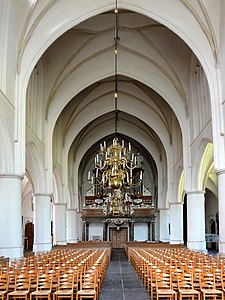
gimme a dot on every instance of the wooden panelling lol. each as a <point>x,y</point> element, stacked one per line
<point>92,212</point>
<point>143,212</point>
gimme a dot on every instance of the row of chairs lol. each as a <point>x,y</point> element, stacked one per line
<point>73,274</point>
<point>179,273</point>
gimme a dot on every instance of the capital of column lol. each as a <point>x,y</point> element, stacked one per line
<point>41,195</point>
<point>60,204</point>
<point>12,176</point>
<point>175,203</point>
<point>72,209</point>
<point>195,193</point>
<point>164,209</point>
<point>220,172</point>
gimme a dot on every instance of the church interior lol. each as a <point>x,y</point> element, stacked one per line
<point>112,130</point>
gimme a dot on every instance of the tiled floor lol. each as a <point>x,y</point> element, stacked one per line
<point>121,281</point>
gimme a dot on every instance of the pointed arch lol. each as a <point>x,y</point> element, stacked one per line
<point>35,168</point>
<point>6,150</point>
<point>198,163</point>
<point>181,192</point>
<point>207,174</point>
<point>57,186</point>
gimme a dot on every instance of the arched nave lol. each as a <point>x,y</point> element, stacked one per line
<point>57,105</point>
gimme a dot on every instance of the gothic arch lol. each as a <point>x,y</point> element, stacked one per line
<point>57,187</point>
<point>198,163</point>
<point>6,152</point>
<point>34,166</point>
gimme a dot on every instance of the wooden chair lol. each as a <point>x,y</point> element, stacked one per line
<point>88,287</point>
<point>12,279</point>
<point>4,282</point>
<point>223,281</point>
<point>164,287</point>
<point>65,288</point>
<point>44,287</point>
<point>55,276</point>
<point>208,287</point>
<point>152,281</point>
<point>197,273</point>
<point>22,287</point>
<point>186,287</point>
<point>75,272</point>
<point>33,279</point>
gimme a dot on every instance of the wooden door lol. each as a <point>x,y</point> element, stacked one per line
<point>118,237</point>
<point>29,234</point>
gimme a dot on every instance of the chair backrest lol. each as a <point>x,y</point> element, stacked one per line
<point>4,282</point>
<point>185,281</point>
<point>22,282</point>
<point>223,280</point>
<point>163,281</point>
<point>66,282</point>
<point>88,280</point>
<point>44,282</point>
<point>207,280</point>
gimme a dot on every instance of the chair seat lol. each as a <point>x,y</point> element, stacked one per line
<point>35,293</point>
<point>65,292</point>
<point>86,292</point>
<point>210,291</point>
<point>165,291</point>
<point>188,292</point>
<point>19,293</point>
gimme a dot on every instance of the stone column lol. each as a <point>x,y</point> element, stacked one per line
<point>156,226</point>
<point>11,242</point>
<point>83,230</point>
<point>149,231</point>
<point>131,231</point>
<point>164,225</point>
<point>59,223</point>
<point>153,231</point>
<point>221,204</point>
<point>42,222</point>
<point>87,232</point>
<point>176,223</point>
<point>71,218</point>
<point>105,230</point>
<point>196,220</point>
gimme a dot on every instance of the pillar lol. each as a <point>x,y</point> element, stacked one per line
<point>42,222</point>
<point>149,231</point>
<point>105,230</point>
<point>87,232</point>
<point>83,230</point>
<point>156,227</point>
<point>11,242</point>
<point>196,221</point>
<point>131,231</point>
<point>164,225</point>
<point>176,223</point>
<point>71,220</point>
<point>153,231</point>
<point>59,224</point>
<point>221,199</point>
<point>79,225</point>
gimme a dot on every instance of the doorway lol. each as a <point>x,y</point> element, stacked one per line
<point>29,236</point>
<point>118,237</point>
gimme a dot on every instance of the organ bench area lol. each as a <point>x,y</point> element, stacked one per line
<point>138,224</point>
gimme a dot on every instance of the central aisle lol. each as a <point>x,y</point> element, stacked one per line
<point>121,281</point>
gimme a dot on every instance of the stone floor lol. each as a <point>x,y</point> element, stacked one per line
<point>121,281</point>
